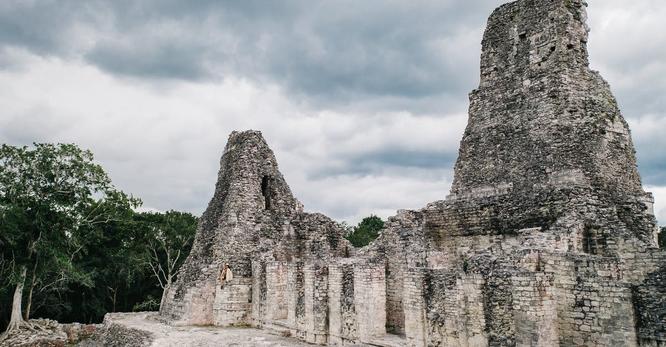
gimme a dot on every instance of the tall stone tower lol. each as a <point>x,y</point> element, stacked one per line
<point>540,115</point>
<point>546,132</point>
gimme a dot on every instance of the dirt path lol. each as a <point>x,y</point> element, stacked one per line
<point>166,335</point>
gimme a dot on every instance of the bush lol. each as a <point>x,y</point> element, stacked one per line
<point>150,304</point>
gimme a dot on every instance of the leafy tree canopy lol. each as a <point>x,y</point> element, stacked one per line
<point>72,246</point>
<point>165,240</point>
<point>366,231</point>
<point>51,196</point>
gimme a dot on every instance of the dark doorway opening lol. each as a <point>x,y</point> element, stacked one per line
<point>594,241</point>
<point>395,311</point>
<point>266,191</point>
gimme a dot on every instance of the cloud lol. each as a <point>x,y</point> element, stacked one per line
<point>150,61</point>
<point>50,27</point>
<point>163,144</point>
<point>330,53</point>
<point>648,134</point>
<point>364,103</point>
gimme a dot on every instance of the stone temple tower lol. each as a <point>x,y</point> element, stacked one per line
<point>252,215</point>
<point>540,115</point>
<point>546,132</point>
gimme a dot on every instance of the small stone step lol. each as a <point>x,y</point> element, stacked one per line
<point>389,341</point>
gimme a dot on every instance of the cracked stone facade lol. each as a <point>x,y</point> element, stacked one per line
<point>547,237</point>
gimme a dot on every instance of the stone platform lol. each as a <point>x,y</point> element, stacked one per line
<point>156,333</point>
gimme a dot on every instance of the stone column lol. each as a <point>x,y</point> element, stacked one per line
<point>316,303</point>
<point>415,322</point>
<point>370,300</point>
<point>276,291</point>
<point>296,297</point>
<point>258,292</point>
<point>335,277</point>
<point>233,302</point>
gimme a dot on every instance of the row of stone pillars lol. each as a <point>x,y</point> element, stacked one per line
<point>336,303</point>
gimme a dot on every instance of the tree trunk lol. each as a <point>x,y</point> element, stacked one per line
<point>114,300</point>
<point>33,281</point>
<point>28,304</point>
<point>17,318</point>
<point>165,290</point>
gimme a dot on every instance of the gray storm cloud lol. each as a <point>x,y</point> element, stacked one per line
<point>363,102</point>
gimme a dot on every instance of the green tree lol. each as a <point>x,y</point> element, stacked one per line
<point>366,231</point>
<point>5,270</point>
<point>167,240</point>
<point>662,238</point>
<point>107,257</point>
<point>122,281</point>
<point>50,197</point>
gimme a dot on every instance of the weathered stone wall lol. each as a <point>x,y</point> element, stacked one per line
<point>533,320</point>
<point>113,334</point>
<point>258,292</point>
<point>594,303</point>
<point>415,307</point>
<point>233,303</point>
<point>650,305</point>
<point>534,69</point>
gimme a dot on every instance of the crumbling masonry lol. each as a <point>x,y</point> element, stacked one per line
<point>547,237</point>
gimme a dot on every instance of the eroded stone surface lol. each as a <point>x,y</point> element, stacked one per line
<point>49,333</point>
<point>43,332</point>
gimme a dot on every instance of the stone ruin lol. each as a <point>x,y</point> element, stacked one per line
<point>546,239</point>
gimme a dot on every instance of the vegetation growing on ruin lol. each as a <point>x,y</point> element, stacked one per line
<point>662,238</point>
<point>366,231</point>
<point>72,246</point>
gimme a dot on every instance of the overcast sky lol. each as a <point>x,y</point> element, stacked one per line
<point>363,102</point>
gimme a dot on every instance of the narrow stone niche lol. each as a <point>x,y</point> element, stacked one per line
<point>395,313</point>
<point>266,185</point>
<point>594,241</point>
